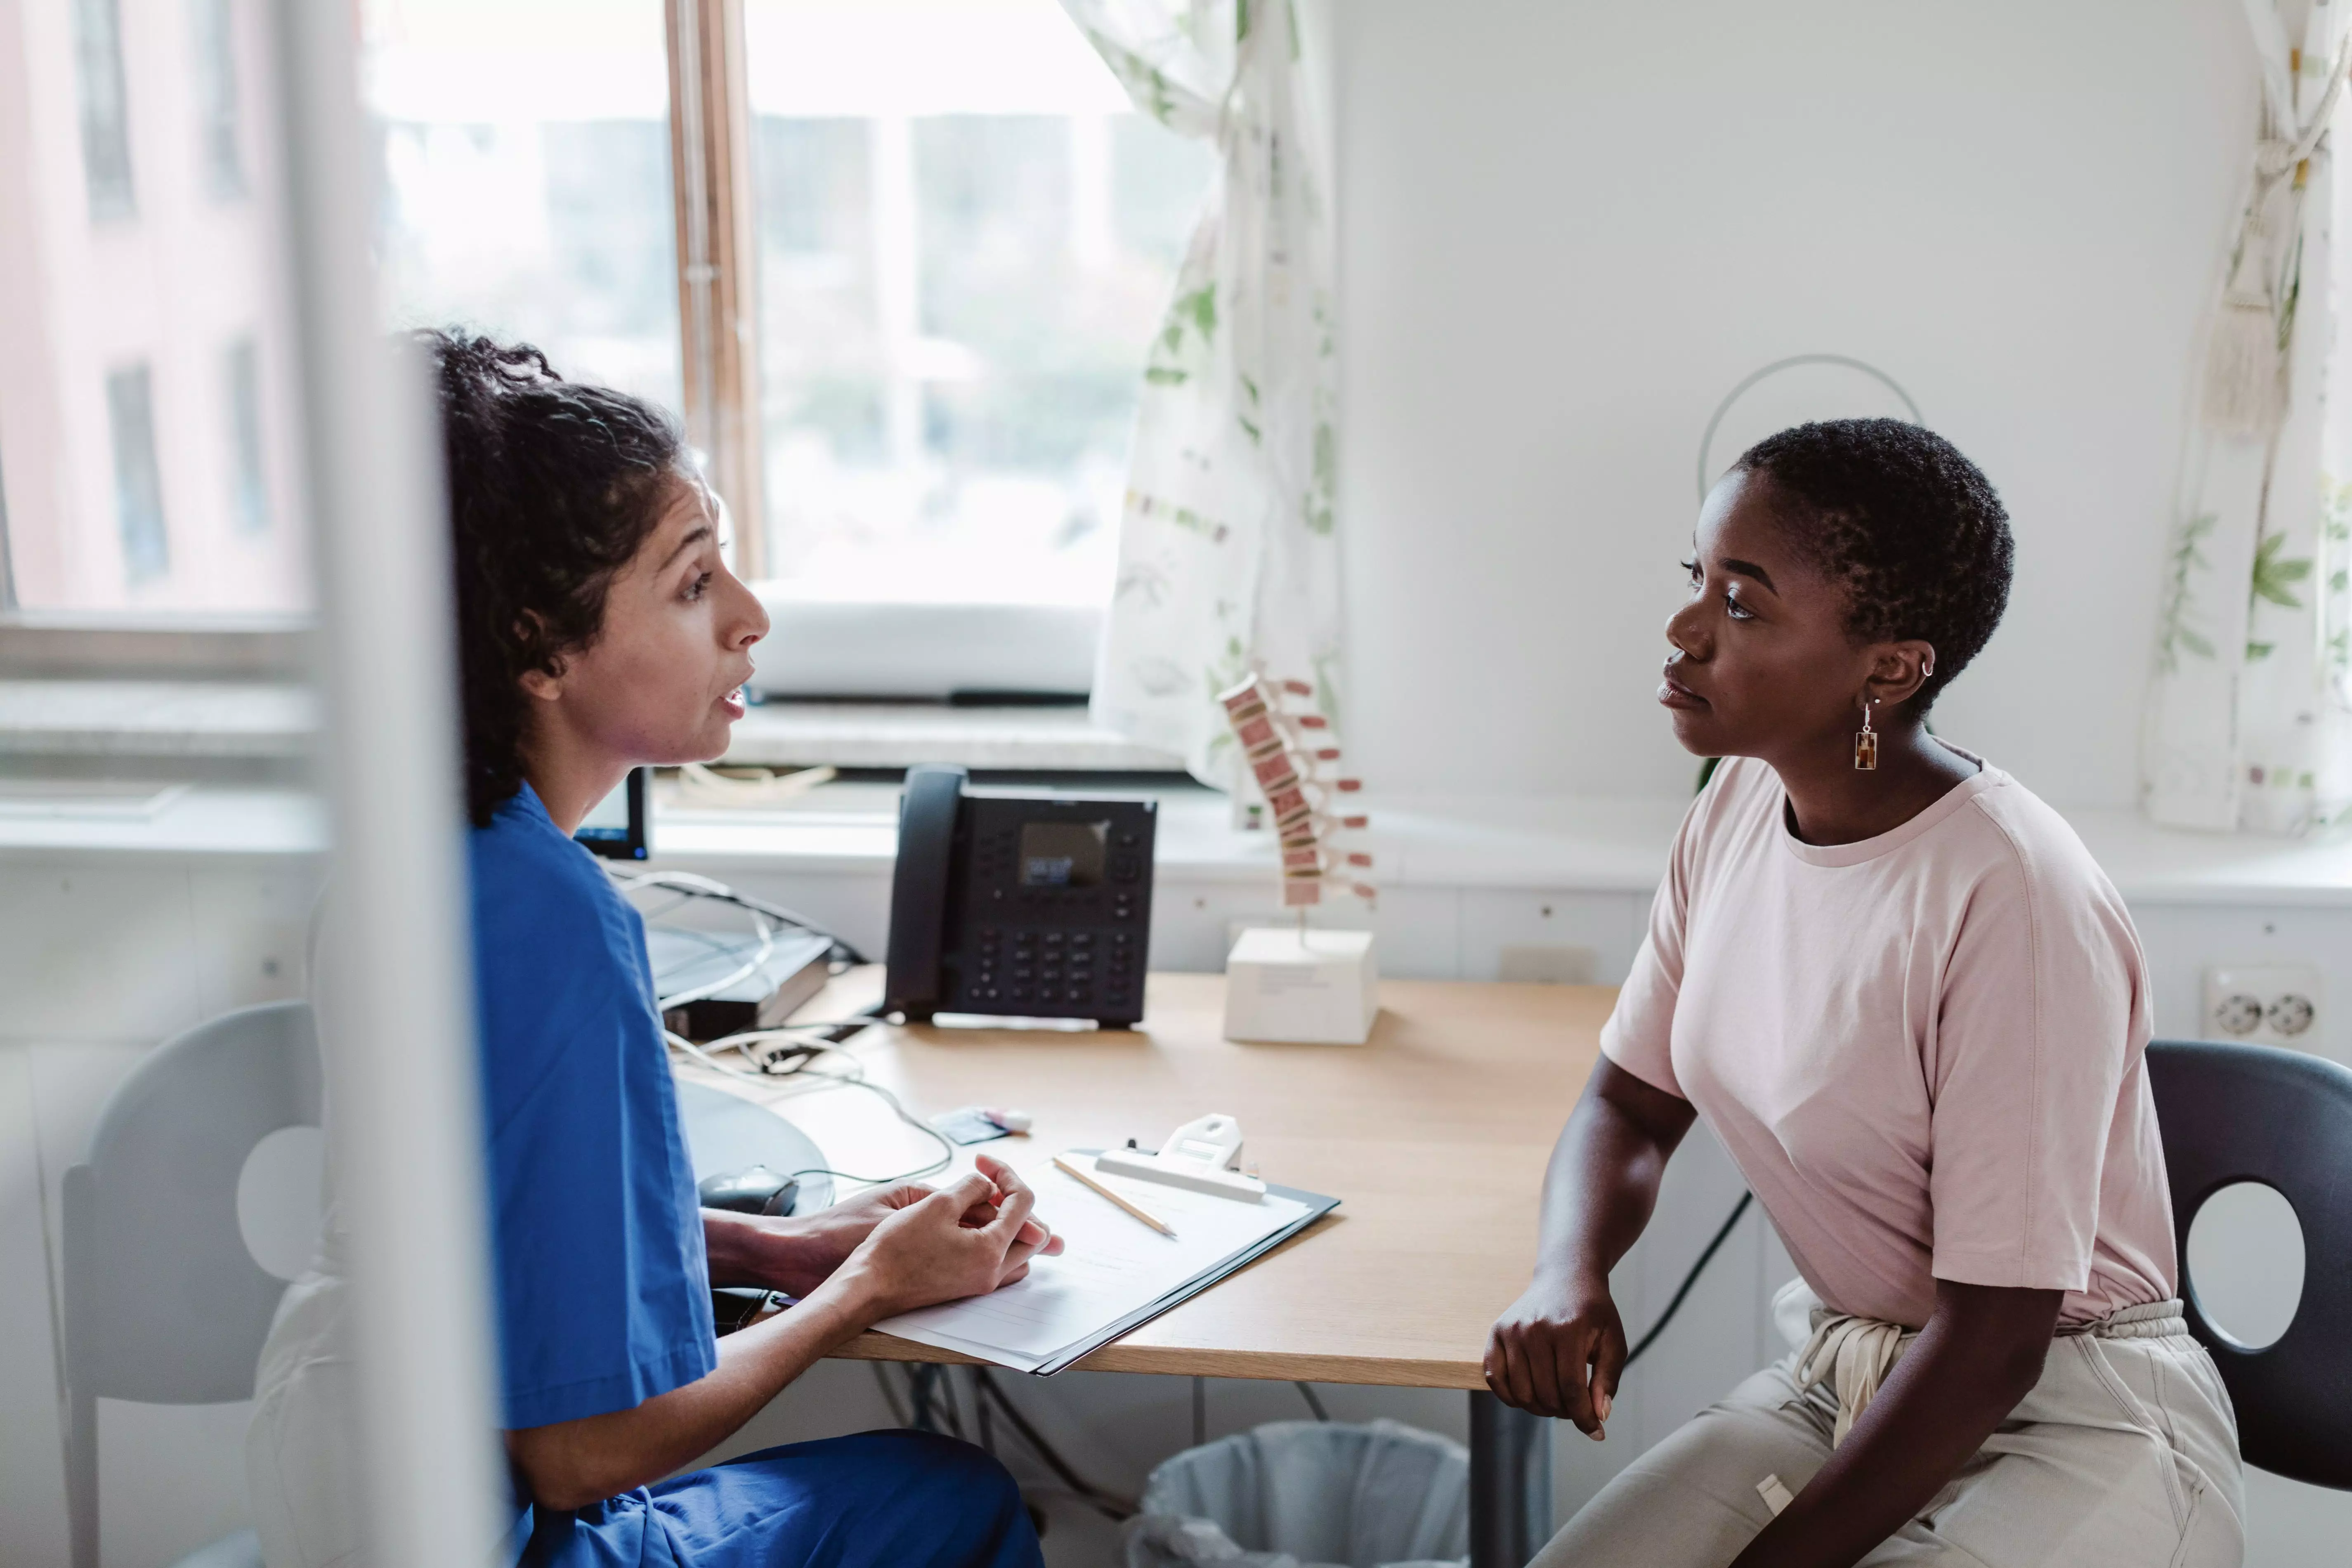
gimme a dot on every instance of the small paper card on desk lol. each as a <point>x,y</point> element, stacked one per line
<point>1115,1273</point>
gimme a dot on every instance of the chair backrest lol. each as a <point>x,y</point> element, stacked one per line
<point>164,1303</point>
<point>2232,1113</point>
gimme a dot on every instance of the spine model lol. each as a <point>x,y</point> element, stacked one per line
<point>1289,755</point>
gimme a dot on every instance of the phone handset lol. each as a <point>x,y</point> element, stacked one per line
<point>918,887</point>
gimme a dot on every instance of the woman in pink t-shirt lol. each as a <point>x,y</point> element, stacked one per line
<point>1914,1010</point>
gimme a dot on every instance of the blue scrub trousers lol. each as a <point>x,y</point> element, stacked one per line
<point>879,1499</point>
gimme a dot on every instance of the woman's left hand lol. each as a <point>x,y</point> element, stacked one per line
<point>797,1253</point>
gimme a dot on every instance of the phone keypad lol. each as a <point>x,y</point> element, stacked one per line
<point>1072,949</point>
<point>1057,973</point>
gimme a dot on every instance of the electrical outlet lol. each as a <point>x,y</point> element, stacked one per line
<point>2264,1004</point>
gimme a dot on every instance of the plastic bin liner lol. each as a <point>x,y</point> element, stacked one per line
<point>1309,1494</point>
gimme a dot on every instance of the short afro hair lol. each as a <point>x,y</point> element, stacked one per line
<point>1910,528</point>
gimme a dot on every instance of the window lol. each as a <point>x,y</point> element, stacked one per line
<point>248,476</point>
<point>945,242</point>
<point>527,158</point>
<point>105,107</point>
<point>214,47</point>
<point>966,242</point>
<point>138,483</point>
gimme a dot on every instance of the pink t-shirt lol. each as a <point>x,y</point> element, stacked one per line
<point>1923,1051</point>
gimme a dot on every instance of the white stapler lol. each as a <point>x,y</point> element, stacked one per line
<point>1196,1155</point>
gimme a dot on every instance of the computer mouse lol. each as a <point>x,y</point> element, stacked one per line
<point>755,1190</point>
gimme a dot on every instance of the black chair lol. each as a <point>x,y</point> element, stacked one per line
<point>2254,1113</point>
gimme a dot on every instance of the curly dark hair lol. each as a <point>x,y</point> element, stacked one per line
<point>1910,528</point>
<point>552,487</point>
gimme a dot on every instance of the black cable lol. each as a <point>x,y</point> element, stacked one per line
<point>945,1382</point>
<point>980,1419</point>
<point>889,1394</point>
<point>1690,1279</point>
<point>855,1024</point>
<point>918,1394</point>
<point>947,1144</point>
<point>1313,1400</point>
<point>1102,1502</point>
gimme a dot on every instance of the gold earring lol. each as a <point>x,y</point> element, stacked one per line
<point>1866,745</point>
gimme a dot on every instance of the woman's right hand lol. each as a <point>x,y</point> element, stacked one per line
<point>1559,1351</point>
<point>963,1240</point>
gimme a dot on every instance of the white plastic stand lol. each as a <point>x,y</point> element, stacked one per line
<point>1300,985</point>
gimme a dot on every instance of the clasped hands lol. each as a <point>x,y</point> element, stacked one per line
<point>903,1246</point>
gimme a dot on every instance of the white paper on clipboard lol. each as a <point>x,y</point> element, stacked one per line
<point>1115,1271</point>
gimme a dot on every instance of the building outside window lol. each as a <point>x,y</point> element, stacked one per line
<point>213,46</point>
<point>967,240</point>
<point>105,109</point>
<point>138,482</point>
<point>248,470</point>
<point>7,577</point>
<point>146,368</point>
<point>527,162</point>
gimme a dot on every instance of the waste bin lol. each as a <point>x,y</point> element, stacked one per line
<point>1309,1494</point>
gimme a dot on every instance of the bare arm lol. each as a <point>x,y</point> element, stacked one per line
<point>1981,1353</point>
<point>797,1253</point>
<point>1559,1348</point>
<point>964,1241</point>
<point>574,1463</point>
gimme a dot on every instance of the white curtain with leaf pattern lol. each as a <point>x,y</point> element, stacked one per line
<point>2249,720</point>
<point>1227,559</point>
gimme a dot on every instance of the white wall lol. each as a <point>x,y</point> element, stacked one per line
<point>1566,230</point>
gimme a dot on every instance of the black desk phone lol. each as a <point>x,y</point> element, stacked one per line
<point>1022,906</point>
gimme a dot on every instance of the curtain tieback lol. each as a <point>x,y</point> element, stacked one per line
<point>2274,156</point>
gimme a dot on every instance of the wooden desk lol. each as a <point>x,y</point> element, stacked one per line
<point>1434,1134</point>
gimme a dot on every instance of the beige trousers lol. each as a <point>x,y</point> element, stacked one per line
<point>2123,1456</point>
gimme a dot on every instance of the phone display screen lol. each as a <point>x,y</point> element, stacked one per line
<point>1063,853</point>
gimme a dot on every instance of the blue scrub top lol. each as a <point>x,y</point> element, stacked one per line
<point>602,1287</point>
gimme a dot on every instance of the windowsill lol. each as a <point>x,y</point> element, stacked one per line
<point>253,720</point>
<point>205,719</point>
<point>897,735</point>
<point>1536,843</point>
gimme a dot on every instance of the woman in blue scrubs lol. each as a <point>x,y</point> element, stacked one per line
<point>600,629</point>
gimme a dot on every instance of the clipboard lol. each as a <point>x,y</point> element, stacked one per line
<point>1318,1206</point>
<point>1023,1329</point>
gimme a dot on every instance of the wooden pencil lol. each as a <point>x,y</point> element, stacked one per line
<point>1071,1167</point>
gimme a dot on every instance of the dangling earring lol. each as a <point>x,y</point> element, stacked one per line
<point>1866,745</point>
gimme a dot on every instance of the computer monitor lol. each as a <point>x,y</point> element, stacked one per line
<point>615,827</point>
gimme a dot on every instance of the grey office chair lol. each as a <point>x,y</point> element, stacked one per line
<point>164,1303</point>
<point>2232,1113</point>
